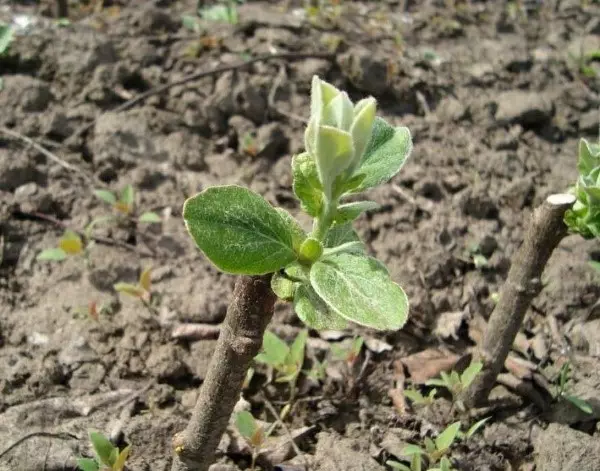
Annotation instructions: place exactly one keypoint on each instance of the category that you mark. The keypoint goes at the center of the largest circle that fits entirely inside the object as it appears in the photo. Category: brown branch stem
(242, 332)
(522, 285)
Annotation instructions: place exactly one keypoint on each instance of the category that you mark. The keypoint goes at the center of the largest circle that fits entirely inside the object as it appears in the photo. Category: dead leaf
(423, 366)
(397, 397)
(448, 323)
(519, 367)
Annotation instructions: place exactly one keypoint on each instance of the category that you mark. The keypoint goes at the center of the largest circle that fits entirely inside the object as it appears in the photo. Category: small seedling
(563, 383)
(224, 12)
(285, 361)
(70, 244)
(249, 144)
(254, 433)
(107, 456)
(142, 290)
(457, 383)
(124, 206)
(436, 451)
(419, 399)
(348, 354)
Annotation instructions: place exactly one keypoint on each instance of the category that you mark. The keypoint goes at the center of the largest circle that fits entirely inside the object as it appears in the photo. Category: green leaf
(297, 349)
(274, 350)
(246, 424)
(106, 196)
(102, 447)
(52, 255)
(445, 464)
(429, 445)
(414, 395)
(128, 196)
(445, 439)
(298, 234)
(191, 22)
(437, 382)
(410, 450)
(359, 289)
(475, 427)
(341, 234)
(220, 14)
(6, 37)
(333, 154)
(129, 289)
(350, 211)
(579, 403)
(470, 373)
(283, 287)
(396, 465)
(307, 186)
(385, 155)
(313, 311)
(589, 157)
(122, 458)
(87, 464)
(239, 231)
(150, 217)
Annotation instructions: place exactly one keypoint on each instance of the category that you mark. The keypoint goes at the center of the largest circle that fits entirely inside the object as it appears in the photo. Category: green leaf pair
(287, 361)
(584, 217)
(325, 273)
(108, 456)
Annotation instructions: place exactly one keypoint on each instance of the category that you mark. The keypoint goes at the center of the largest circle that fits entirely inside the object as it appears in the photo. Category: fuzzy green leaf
(102, 447)
(283, 287)
(239, 231)
(313, 311)
(358, 288)
(106, 196)
(298, 234)
(274, 350)
(350, 211)
(150, 217)
(341, 234)
(589, 157)
(445, 439)
(409, 450)
(307, 186)
(396, 465)
(87, 464)
(52, 255)
(470, 373)
(385, 155)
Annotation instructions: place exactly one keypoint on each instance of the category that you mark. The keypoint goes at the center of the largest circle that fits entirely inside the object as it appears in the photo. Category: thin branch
(287, 431)
(248, 315)
(206, 73)
(60, 436)
(546, 230)
(42, 150)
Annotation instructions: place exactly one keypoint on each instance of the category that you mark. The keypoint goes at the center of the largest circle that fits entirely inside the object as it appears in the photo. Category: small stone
(77, 351)
(560, 448)
(272, 141)
(482, 73)
(306, 69)
(589, 122)
(526, 108)
(165, 363)
(31, 198)
(365, 70)
(15, 172)
(88, 377)
(450, 109)
(25, 93)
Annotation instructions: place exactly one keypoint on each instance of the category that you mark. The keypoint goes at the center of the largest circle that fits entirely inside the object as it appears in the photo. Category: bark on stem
(522, 285)
(240, 340)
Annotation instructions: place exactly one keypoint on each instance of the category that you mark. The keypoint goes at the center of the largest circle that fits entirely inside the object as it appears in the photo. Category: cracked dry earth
(496, 101)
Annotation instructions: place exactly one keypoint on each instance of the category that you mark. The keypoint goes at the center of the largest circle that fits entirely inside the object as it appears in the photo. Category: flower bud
(310, 250)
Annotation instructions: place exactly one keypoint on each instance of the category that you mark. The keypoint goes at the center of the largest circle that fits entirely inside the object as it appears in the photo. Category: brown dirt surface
(496, 96)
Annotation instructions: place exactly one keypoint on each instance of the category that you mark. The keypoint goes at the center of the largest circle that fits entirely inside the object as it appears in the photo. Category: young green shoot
(142, 290)
(418, 399)
(563, 386)
(69, 245)
(107, 457)
(124, 207)
(254, 433)
(435, 452)
(325, 272)
(457, 383)
(286, 361)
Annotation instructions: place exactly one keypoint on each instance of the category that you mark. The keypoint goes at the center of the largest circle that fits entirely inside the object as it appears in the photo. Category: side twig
(522, 285)
(241, 337)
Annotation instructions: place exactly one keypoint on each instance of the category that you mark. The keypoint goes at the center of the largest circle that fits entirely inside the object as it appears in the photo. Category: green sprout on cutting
(584, 218)
(107, 456)
(326, 273)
